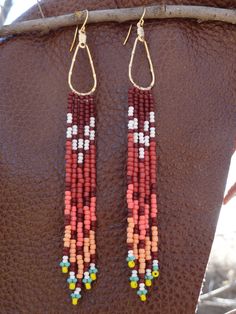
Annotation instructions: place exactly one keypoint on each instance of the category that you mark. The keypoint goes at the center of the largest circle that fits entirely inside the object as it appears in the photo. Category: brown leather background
(195, 95)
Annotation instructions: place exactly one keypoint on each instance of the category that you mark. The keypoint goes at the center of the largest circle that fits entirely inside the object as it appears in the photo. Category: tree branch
(121, 15)
(217, 292)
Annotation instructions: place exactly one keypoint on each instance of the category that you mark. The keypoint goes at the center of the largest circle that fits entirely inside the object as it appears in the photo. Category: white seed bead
(135, 137)
(146, 126)
(77, 290)
(69, 118)
(135, 123)
(86, 130)
(74, 142)
(131, 111)
(141, 285)
(80, 143)
(86, 144)
(141, 137)
(152, 114)
(147, 140)
(92, 265)
(130, 124)
(74, 129)
(92, 135)
(92, 122)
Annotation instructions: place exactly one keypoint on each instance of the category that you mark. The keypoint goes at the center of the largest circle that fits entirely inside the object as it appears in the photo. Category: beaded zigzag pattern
(79, 251)
(142, 230)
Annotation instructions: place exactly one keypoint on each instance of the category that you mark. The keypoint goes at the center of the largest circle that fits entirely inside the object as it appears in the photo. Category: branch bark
(201, 13)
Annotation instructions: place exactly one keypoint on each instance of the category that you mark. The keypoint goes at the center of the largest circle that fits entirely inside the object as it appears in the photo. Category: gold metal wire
(83, 45)
(140, 37)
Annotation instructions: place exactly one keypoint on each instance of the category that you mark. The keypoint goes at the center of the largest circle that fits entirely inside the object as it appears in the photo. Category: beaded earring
(142, 230)
(79, 252)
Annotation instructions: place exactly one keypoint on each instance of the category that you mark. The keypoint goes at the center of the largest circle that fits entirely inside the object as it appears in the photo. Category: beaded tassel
(79, 252)
(142, 230)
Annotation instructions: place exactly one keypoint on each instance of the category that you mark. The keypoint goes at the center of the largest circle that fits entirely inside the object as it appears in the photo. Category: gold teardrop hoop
(140, 38)
(83, 45)
(149, 61)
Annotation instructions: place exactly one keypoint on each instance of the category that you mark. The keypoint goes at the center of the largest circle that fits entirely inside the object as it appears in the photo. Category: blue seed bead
(133, 278)
(149, 277)
(140, 292)
(75, 295)
(69, 280)
(130, 258)
(93, 270)
(155, 268)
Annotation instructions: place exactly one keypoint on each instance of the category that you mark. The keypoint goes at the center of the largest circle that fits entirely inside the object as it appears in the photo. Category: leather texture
(195, 110)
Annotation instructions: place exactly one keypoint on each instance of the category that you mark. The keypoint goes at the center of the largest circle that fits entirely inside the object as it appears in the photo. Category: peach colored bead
(72, 260)
(86, 249)
(87, 260)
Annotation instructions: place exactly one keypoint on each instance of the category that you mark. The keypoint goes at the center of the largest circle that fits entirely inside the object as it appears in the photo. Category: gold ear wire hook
(128, 34)
(82, 29)
(141, 21)
(74, 39)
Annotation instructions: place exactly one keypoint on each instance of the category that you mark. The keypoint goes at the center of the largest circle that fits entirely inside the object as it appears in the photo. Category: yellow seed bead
(64, 270)
(148, 282)
(88, 286)
(75, 301)
(93, 276)
(143, 297)
(133, 284)
(131, 264)
(72, 286)
(155, 273)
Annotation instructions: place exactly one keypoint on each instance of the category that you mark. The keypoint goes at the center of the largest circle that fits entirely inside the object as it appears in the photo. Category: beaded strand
(142, 232)
(80, 195)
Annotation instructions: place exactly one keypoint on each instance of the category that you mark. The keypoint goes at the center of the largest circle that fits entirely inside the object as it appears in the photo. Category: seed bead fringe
(142, 231)
(79, 252)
